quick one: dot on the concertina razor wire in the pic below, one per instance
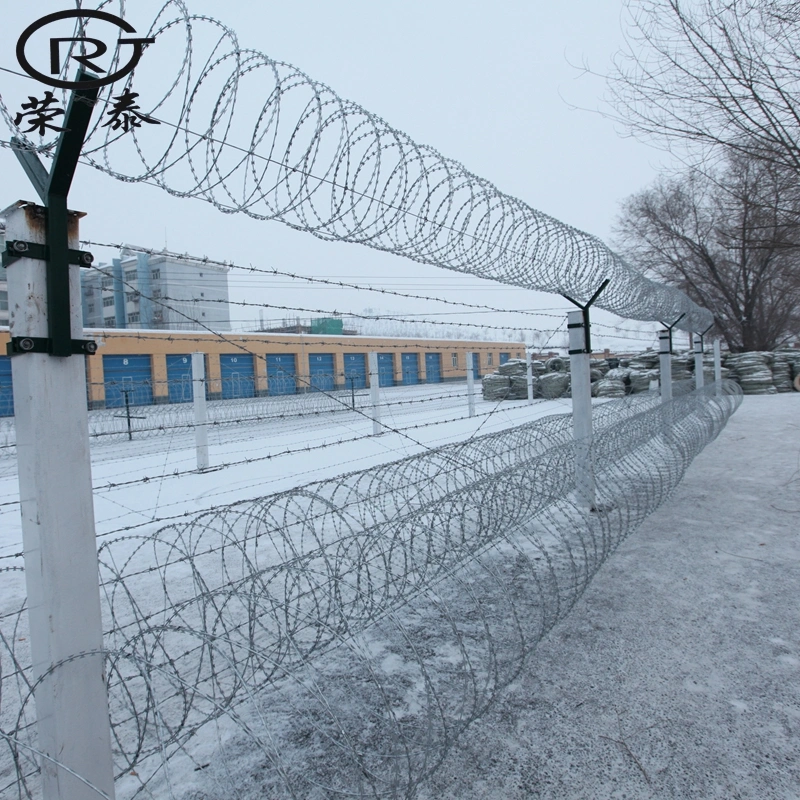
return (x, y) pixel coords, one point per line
(257, 136)
(335, 639)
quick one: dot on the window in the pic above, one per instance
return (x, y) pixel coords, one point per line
(201, 274)
(131, 296)
(155, 274)
(110, 322)
(108, 301)
(156, 293)
(107, 283)
(130, 275)
(133, 317)
(490, 359)
(3, 301)
(89, 292)
(202, 294)
(455, 359)
(519, 355)
(90, 308)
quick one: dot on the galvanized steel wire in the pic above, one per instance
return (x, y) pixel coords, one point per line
(334, 640)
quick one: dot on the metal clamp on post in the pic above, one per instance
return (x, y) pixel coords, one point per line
(41, 252)
(587, 339)
(20, 345)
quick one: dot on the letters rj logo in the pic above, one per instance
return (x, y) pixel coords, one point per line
(87, 59)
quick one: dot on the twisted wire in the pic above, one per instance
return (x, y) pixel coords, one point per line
(257, 136)
(335, 639)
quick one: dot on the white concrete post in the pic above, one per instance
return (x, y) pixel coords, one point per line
(471, 384)
(665, 365)
(200, 410)
(699, 377)
(717, 365)
(58, 532)
(374, 394)
(529, 362)
(581, 385)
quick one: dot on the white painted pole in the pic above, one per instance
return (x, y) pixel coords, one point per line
(471, 384)
(200, 410)
(717, 365)
(699, 377)
(374, 393)
(529, 361)
(58, 532)
(581, 384)
(665, 365)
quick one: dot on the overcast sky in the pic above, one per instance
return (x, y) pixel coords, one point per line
(490, 86)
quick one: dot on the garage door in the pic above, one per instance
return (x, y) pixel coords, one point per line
(179, 379)
(6, 392)
(410, 363)
(355, 370)
(320, 370)
(433, 367)
(238, 376)
(282, 374)
(128, 375)
(385, 369)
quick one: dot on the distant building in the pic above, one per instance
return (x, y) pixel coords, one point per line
(160, 292)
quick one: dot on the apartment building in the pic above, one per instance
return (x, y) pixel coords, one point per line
(155, 291)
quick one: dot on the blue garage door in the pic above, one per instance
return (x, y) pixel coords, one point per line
(320, 371)
(128, 375)
(504, 357)
(179, 379)
(6, 393)
(282, 374)
(355, 370)
(433, 367)
(238, 376)
(476, 365)
(385, 369)
(410, 369)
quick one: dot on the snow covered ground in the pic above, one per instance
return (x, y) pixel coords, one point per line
(677, 675)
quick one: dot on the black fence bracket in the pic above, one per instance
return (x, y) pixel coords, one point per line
(587, 339)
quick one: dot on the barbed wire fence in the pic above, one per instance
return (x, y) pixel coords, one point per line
(335, 639)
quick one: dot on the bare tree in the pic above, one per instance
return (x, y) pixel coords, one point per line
(706, 73)
(731, 240)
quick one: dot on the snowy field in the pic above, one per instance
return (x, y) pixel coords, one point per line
(141, 482)
(688, 718)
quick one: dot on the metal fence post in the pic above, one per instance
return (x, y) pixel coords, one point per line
(374, 394)
(717, 365)
(665, 364)
(58, 530)
(200, 410)
(699, 377)
(471, 384)
(581, 385)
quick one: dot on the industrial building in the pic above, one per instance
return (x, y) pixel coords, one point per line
(155, 291)
(155, 366)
